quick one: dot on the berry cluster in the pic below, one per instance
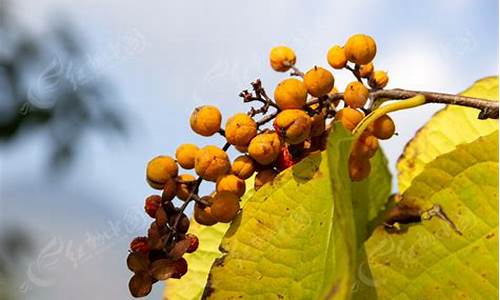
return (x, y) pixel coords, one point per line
(303, 105)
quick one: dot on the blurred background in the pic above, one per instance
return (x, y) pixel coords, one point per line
(91, 90)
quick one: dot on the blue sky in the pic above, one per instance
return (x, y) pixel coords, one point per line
(166, 57)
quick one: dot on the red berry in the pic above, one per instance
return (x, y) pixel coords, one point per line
(181, 268)
(139, 244)
(193, 242)
(152, 204)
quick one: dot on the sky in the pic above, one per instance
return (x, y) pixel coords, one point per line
(164, 58)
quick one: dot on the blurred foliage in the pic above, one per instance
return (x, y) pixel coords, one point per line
(48, 82)
(15, 244)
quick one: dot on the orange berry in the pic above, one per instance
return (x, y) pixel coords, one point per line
(205, 120)
(231, 183)
(211, 162)
(265, 147)
(366, 70)
(336, 57)
(378, 80)
(290, 93)
(225, 206)
(159, 170)
(282, 58)
(383, 127)
(240, 129)
(318, 81)
(349, 117)
(185, 155)
(294, 125)
(184, 189)
(243, 167)
(366, 146)
(356, 94)
(203, 213)
(360, 49)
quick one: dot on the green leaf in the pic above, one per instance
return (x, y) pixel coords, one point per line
(191, 285)
(448, 128)
(431, 260)
(296, 238)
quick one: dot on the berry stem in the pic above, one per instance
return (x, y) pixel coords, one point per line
(296, 71)
(186, 203)
(193, 196)
(355, 72)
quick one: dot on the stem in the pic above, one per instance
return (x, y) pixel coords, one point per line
(355, 72)
(488, 109)
(193, 195)
(400, 105)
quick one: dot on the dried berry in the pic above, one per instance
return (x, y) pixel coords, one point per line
(152, 204)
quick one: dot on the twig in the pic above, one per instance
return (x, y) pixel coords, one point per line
(355, 72)
(296, 71)
(488, 109)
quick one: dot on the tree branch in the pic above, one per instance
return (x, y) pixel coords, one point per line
(488, 109)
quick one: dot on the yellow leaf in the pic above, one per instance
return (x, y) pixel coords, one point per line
(448, 128)
(431, 260)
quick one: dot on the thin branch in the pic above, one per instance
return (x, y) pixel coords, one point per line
(296, 71)
(488, 109)
(355, 72)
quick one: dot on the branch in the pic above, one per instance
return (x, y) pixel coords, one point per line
(488, 109)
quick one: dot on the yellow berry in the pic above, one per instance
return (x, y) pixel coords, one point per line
(184, 189)
(185, 155)
(205, 120)
(159, 170)
(356, 94)
(225, 206)
(240, 129)
(378, 80)
(359, 167)
(243, 167)
(294, 125)
(349, 117)
(318, 81)
(264, 177)
(336, 57)
(366, 146)
(383, 127)
(366, 70)
(282, 58)
(265, 147)
(360, 49)
(211, 162)
(203, 213)
(290, 93)
(231, 183)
